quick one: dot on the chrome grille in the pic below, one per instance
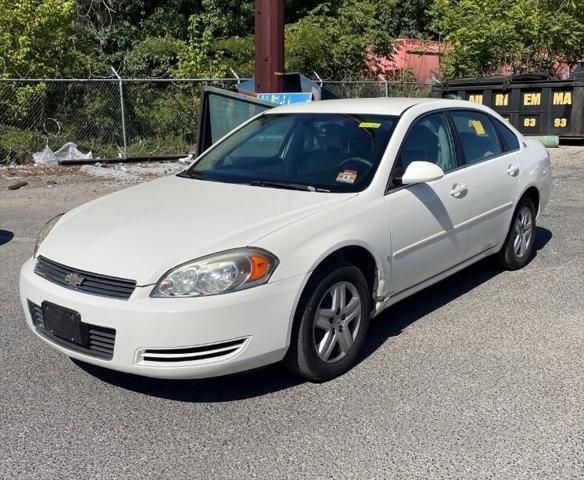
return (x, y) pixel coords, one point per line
(190, 354)
(87, 282)
(100, 340)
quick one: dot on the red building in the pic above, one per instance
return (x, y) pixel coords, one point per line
(419, 58)
(421, 61)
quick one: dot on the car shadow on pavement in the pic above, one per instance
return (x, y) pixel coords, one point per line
(398, 317)
(209, 390)
(5, 236)
(274, 378)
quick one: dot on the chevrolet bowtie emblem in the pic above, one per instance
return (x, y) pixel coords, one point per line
(74, 280)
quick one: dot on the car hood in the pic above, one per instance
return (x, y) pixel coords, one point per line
(141, 232)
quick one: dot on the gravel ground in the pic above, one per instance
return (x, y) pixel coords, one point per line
(479, 376)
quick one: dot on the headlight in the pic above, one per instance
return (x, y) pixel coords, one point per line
(44, 232)
(219, 273)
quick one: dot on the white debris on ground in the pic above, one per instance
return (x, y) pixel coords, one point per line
(113, 173)
(44, 157)
(132, 173)
(187, 159)
(69, 151)
(66, 153)
(155, 169)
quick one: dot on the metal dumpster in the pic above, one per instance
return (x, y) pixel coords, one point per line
(533, 104)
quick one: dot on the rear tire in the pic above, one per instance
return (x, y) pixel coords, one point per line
(330, 324)
(517, 250)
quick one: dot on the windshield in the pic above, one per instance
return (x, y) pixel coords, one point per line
(305, 151)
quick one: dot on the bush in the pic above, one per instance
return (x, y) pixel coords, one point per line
(17, 146)
(156, 146)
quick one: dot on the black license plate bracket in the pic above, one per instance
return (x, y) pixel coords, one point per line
(64, 323)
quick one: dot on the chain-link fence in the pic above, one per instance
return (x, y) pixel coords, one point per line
(109, 117)
(118, 118)
(374, 89)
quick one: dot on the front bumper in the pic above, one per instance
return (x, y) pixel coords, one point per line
(257, 321)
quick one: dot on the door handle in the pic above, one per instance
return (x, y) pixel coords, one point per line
(458, 189)
(512, 170)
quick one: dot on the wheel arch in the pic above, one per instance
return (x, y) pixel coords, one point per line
(357, 255)
(532, 193)
(354, 253)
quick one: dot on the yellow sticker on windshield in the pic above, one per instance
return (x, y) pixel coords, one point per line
(478, 127)
(369, 125)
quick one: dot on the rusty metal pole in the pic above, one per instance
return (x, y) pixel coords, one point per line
(269, 46)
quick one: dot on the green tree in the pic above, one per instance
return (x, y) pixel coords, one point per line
(199, 58)
(335, 39)
(332, 38)
(113, 29)
(403, 18)
(526, 35)
(153, 57)
(38, 38)
(237, 53)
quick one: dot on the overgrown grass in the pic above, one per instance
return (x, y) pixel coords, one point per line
(17, 146)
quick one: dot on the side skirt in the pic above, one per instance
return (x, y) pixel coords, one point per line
(392, 298)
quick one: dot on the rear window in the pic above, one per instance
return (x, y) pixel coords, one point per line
(477, 135)
(508, 138)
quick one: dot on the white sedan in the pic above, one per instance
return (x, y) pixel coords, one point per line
(283, 239)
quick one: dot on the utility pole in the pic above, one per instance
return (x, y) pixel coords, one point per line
(269, 46)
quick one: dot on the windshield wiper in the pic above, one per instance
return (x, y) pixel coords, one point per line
(189, 174)
(289, 186)
(259, 183)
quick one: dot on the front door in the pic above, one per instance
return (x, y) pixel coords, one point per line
(428, 221)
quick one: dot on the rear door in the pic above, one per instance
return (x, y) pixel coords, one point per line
(492, 171)
(427, 220)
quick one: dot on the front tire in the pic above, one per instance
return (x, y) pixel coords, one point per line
(331, 324)
(518, 247)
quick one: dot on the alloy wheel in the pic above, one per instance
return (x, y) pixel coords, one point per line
(337, 321)
(523, 227)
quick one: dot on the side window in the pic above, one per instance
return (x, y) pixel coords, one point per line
(429, 141)
(477, 135)
(508, 138)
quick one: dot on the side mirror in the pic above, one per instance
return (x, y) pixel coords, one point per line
(421, 172)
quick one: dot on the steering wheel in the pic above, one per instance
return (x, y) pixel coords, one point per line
(356, 160)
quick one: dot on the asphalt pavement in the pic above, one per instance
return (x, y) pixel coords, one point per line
(477, 377)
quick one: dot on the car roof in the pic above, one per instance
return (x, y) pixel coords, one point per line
(379, 106)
